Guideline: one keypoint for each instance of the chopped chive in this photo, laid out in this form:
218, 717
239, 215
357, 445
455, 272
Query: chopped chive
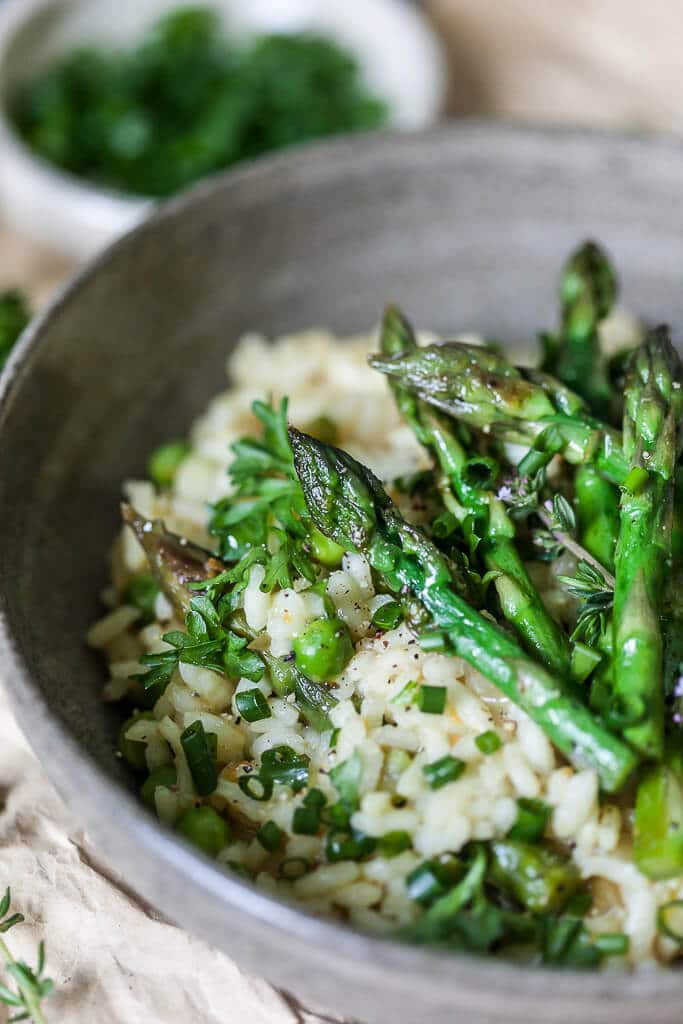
270, 836
670, 920
252, 705
579, 904
336, 815
560, 936
489, 742
388, 615
284, 766
200, 758
423, 883
444, 525
334, 736
480, 472
433, 640
306, 818
346, 779
584, 661
393, 843
351, 845
292, 868
407, 694
256, 786
440, 773
532, 818
612, 943
432, 699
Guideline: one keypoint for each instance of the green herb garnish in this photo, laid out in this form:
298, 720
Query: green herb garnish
186, 102
30, 987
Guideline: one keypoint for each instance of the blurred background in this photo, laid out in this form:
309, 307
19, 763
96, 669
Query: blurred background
102, 116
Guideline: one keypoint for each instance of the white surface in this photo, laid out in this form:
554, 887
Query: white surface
400, 57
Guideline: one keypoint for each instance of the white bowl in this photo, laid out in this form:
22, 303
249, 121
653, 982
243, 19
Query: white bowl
399, 54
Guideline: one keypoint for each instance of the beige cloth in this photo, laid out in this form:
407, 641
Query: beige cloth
610, 62
590, 62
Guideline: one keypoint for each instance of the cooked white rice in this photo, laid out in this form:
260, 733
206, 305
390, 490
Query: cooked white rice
321, 375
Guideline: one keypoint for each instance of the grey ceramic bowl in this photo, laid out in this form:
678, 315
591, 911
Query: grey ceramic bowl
465, 227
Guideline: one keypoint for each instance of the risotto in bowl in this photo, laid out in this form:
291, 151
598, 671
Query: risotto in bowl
376, 665
385, 630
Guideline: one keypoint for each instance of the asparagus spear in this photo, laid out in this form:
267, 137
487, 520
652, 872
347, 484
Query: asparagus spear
658, 824
652, 412
174, 561
519, 599
349, 505
587, 292
484, 390
597, 506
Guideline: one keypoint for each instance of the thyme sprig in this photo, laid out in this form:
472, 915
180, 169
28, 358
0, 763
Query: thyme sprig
522, 493
31, 988
594, 586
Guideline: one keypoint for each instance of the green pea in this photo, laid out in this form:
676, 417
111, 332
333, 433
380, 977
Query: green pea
134, 750
164, 776
324, 550
323, 649
205, 828
163, 463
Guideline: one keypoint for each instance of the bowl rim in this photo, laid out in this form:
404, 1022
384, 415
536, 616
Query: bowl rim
265, 925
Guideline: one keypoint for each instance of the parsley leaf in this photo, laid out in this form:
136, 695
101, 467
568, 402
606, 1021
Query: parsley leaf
265, 520
206, 643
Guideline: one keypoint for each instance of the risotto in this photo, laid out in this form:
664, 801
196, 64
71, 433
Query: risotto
403, 773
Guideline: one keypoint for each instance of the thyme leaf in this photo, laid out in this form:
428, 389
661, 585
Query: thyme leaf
594, 589
30, 986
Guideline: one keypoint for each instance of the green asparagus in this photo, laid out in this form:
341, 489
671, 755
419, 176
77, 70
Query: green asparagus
520, 601
658, 825
587, 292
482, 389
653, 408
349, 505
597, 507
